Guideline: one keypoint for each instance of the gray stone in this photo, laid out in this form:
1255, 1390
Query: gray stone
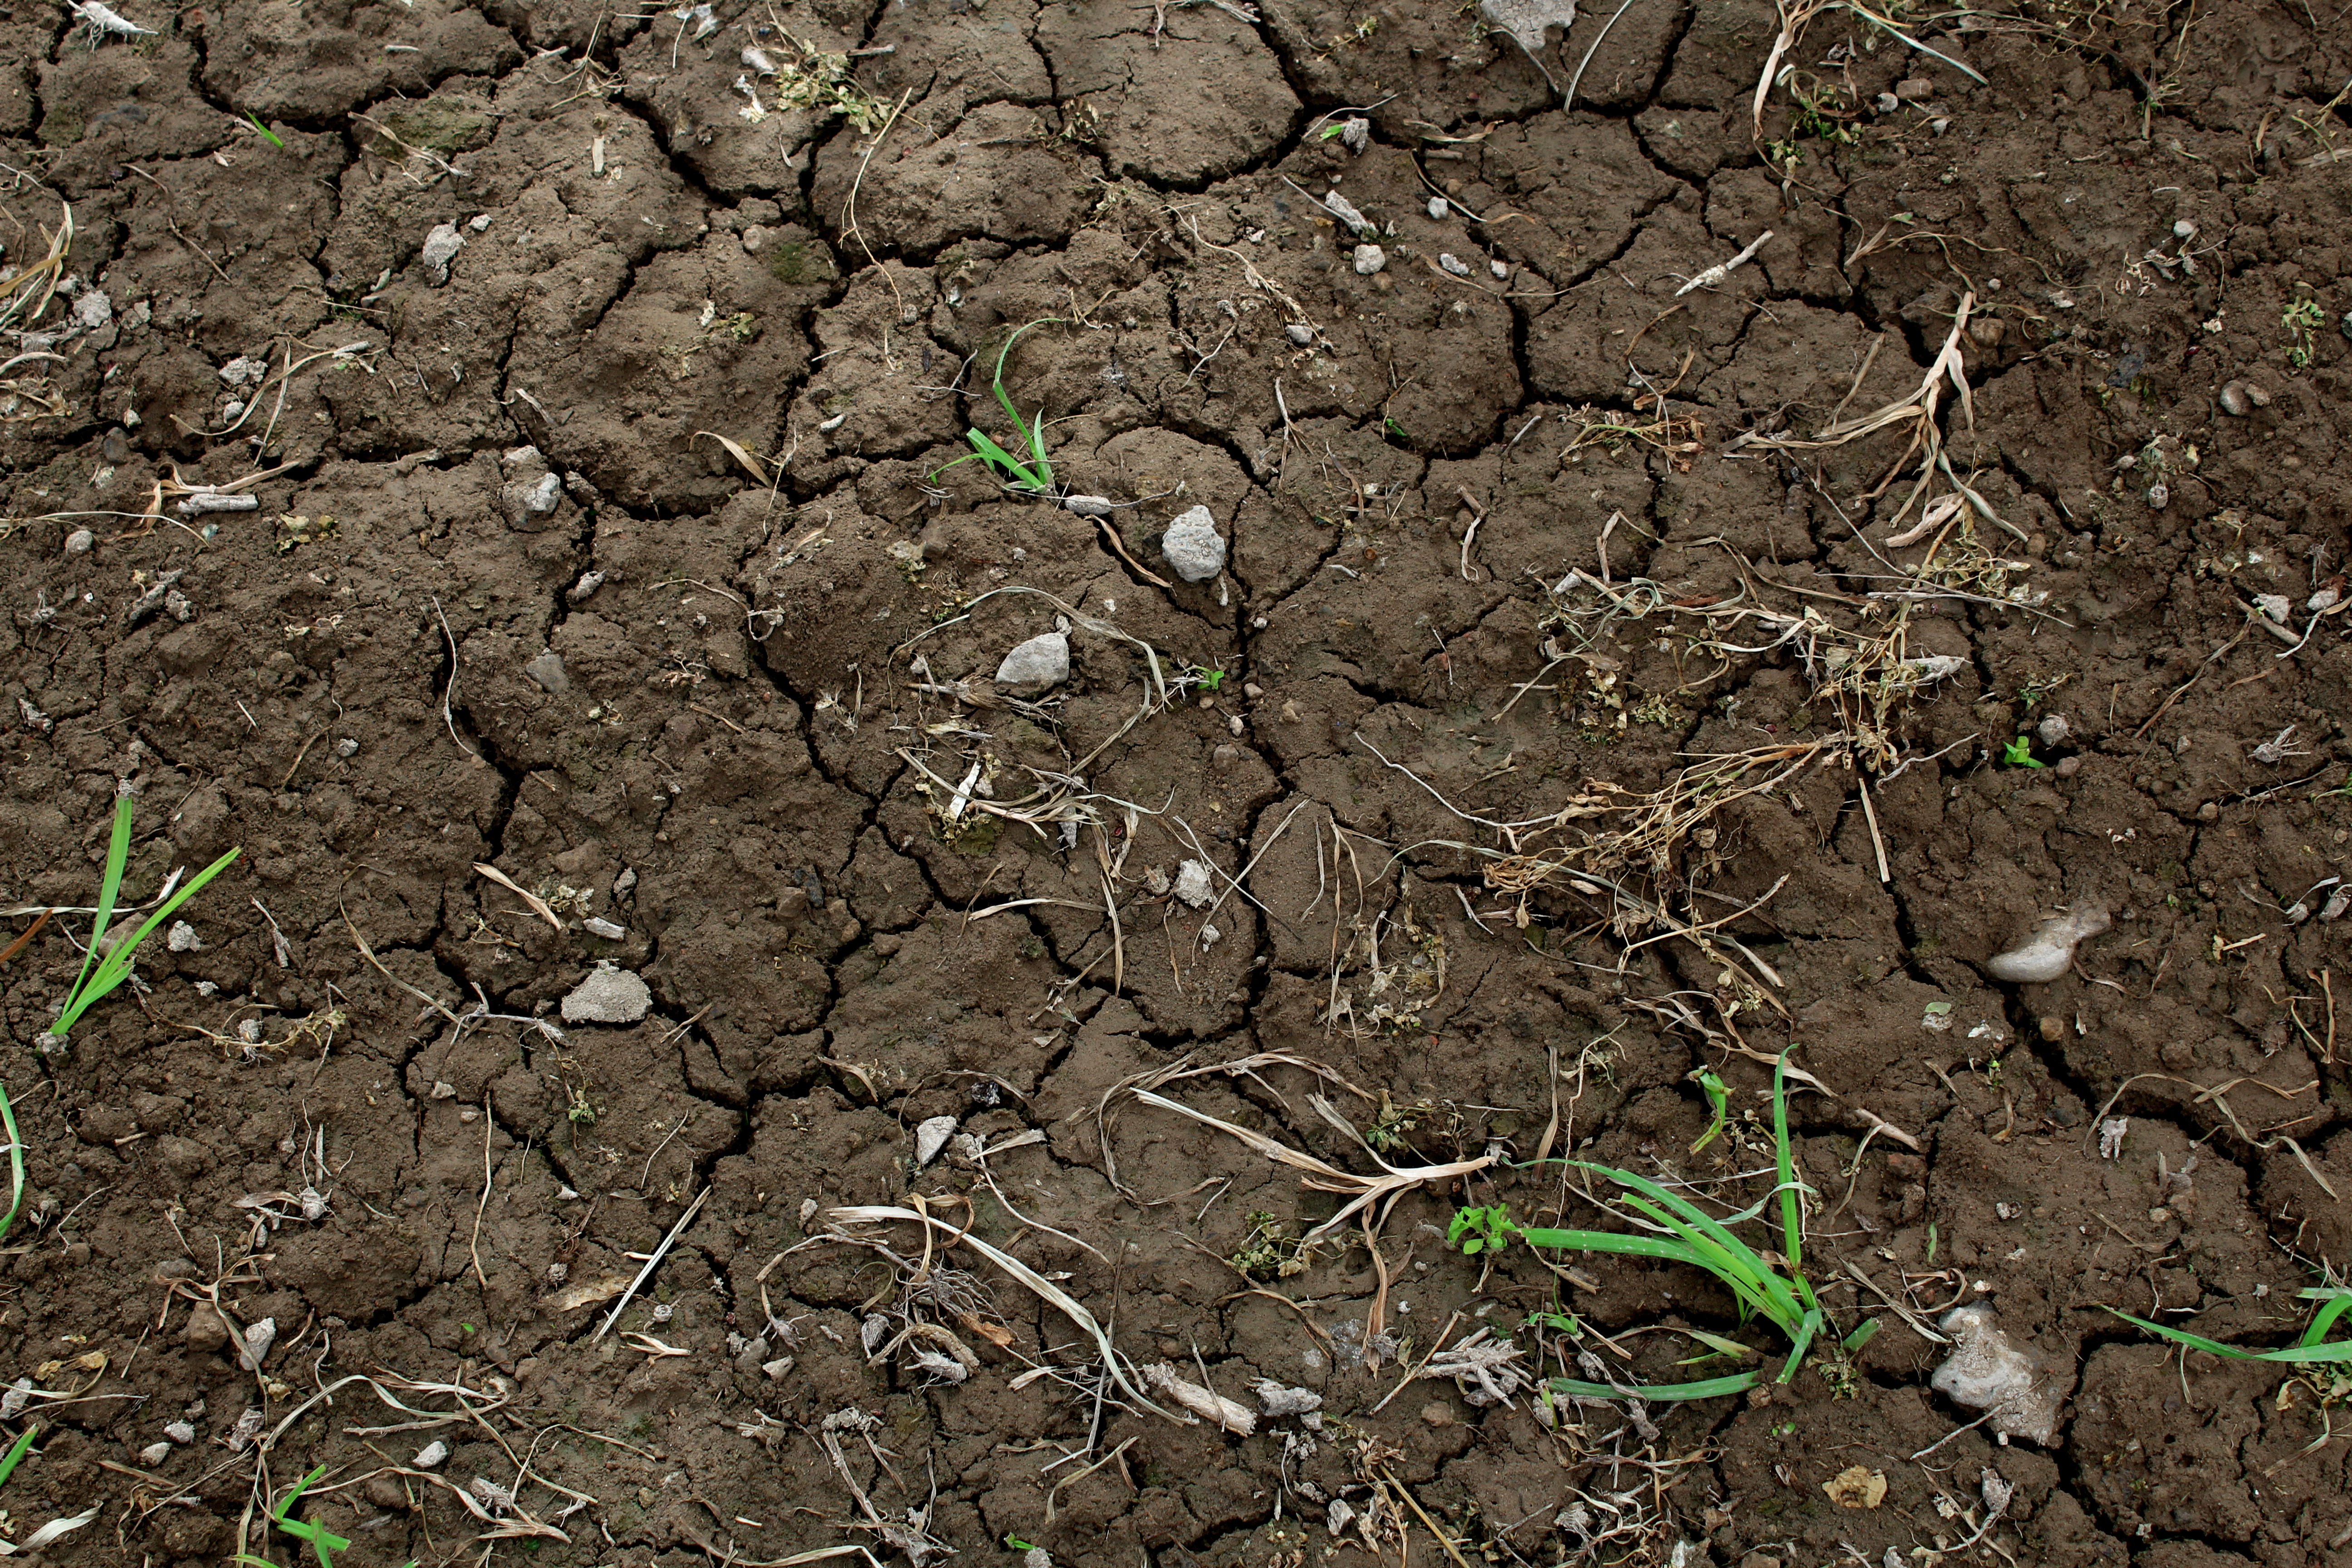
1453, 264
596, 925
1345, 211
80, 541
1193, 546
1300, 333
1369, 258
548, 670
441, 248
608, 995
1193, 884
1043, 661
1089, 506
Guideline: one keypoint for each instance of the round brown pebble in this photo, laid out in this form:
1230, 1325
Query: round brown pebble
2069, 766
2054, 1028
2207, 812
1437, 1413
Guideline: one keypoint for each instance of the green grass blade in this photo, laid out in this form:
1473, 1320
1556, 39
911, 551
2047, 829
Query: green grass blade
15, 1453
2294, 1355
1803, 1339
1864, 1331
1661, 1392
996, 456
1792, 1207
117, 964
118, 856
2336, 1298
1658, 1246
16, 1176
1746, 1275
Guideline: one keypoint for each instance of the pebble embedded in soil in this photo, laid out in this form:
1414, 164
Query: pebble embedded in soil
440, 249
1193, 546
1986, 1371
80, 541
1043, 661
1089, 506
1369, 258
2239, 398
1453, 264
1193, 884
548, 670
2055, 730
1300, 332
608, 995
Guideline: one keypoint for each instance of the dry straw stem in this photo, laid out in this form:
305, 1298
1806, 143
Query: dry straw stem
1362, 1193
1045, 1289
2217, 1095
21, 309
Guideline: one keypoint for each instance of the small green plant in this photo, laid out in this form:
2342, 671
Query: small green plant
1719, 1096
267, 135
324, 1542
2301, 318
2018, 754
1015, 1543
1270, 1251
1392, 1122
1680, 1232
101, 976
1210, 679
1488, 1230
1036, 475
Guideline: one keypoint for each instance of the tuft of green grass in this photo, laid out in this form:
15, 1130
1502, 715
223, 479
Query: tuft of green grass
1719, 1097
99, 975
1036, 475
1679, 1232
2018, 754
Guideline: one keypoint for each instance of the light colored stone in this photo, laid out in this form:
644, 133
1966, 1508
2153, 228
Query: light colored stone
1193, 884
441, 248
1345, 211
80, 541
931, 1135
1300, 332
1193, 546
596, 925
1453, 264
1369, 258
1986, 1371
548, 672
608, 995
1043, 661
1089, 506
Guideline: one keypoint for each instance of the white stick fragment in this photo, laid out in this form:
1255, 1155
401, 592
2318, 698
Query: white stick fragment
1721, 270
1231, 1415
99, 19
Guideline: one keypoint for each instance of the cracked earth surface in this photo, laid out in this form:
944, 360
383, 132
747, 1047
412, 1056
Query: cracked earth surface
728, 760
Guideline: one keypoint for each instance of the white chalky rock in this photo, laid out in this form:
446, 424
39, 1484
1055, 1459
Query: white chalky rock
1300, 332
1369, 258
1193, 546
1453, 264
608, 995
441, 248
1193, 884
1087, 506
1345, 211
1437, 207
155, 1453
931, 1136
431, 1455
1043, 661
1987, 1372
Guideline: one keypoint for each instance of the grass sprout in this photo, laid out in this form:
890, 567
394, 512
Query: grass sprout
99, 975
1034, 476
1678, 1231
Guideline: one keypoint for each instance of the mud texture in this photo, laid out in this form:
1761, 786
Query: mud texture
511, 600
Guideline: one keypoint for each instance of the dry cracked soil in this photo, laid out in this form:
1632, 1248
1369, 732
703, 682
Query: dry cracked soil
493, 465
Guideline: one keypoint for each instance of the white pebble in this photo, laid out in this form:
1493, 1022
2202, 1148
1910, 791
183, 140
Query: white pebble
1369, 258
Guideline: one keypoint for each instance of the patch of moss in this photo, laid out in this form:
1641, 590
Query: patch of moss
799, 261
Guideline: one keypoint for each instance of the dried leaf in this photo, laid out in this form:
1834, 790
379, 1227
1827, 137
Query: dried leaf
1855, 1486
588, 1292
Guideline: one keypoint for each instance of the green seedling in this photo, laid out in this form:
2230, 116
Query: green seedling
2018, 754
1719, 1097
1015, 1543
1036, 475
2313, 1347
1776, 1290
2302, 317
101, 976
267, 135
1487, 1229
1209, 679
322, 1540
